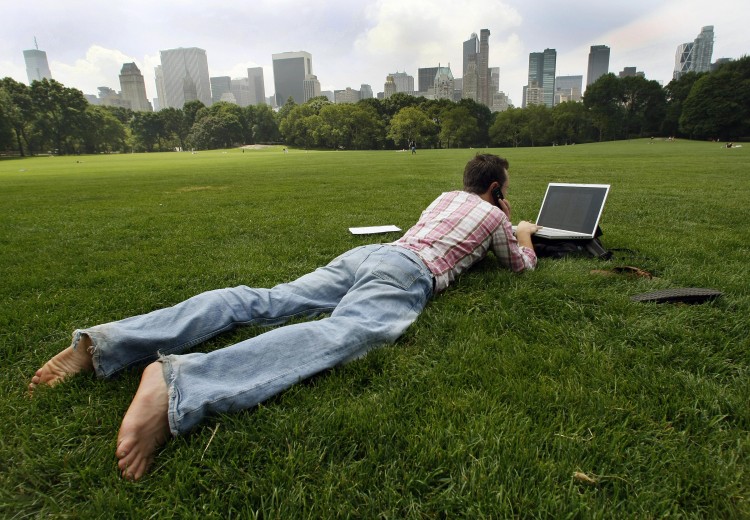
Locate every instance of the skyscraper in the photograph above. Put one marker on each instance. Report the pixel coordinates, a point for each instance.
(471, 49)
(242, 92)
(161, 94)
(404, 82)
(695, 56)
(389, 88)
(542, 67)
(703, 48)
(365, 90)
(220, 85)
(470, 83)
(426, 79)
(133, 88)
(483, 68)
(683, 60)
(568, 88)
(494, 81)
(37, 67)
(477, 81)
(630, 72)
(185, 77)
(598, 63)
(289, 72)
(311, 87)
(257, 85)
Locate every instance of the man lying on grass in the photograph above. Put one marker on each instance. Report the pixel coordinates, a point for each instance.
(373, 293)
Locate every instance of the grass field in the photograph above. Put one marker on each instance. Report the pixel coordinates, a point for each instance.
(505, 389)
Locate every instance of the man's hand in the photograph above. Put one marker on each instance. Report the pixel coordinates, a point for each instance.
(524, 230)
(505, 206)
(527, 227)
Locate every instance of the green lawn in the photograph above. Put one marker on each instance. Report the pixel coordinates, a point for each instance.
(505, 387)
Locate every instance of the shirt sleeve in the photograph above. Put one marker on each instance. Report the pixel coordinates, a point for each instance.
(507, 250)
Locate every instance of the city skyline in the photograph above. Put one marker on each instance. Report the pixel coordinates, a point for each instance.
(355, 45)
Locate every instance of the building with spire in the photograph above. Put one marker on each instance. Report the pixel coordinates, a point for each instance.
(37, 67)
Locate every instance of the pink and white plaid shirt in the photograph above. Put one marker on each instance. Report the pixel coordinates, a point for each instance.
(457, 230)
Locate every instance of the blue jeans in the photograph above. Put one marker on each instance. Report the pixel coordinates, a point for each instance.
(373, 293)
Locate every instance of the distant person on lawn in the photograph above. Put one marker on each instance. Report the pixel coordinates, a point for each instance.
(372, 293)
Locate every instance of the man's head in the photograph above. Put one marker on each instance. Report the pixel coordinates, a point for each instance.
(484, 170)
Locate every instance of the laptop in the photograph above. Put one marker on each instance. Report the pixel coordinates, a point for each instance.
(571, 211)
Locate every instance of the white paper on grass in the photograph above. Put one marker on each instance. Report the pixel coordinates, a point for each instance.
(371, 230)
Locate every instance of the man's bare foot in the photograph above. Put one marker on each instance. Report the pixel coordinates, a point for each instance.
(66, 363)
(145, 426)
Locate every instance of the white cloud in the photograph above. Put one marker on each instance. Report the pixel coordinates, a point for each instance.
(9, 69)
(424, 33)
(101, 67)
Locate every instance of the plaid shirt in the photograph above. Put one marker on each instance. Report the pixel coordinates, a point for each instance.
(457, 230)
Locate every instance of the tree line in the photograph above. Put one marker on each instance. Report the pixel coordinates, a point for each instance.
(48, 117)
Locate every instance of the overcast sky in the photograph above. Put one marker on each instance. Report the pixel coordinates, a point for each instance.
(358, 42)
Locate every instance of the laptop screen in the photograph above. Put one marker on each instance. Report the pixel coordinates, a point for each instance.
(573, 207)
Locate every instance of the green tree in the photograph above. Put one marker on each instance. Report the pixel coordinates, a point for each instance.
(398, 101)
(458, 127)
(677, 91)
(718, 105)
(265, 128)
(366, 128)
(122, 114)
(411, 124)
(233, 123)
(483, 117)
(60, 114)
(538, 127)
(604, 101)
(508, 127)
(297, 130)
(217, 130)
(434, 108)
(645, 106)
(190, 111)
(336, 125)
(175, 126)
(284, 111)
(570, 123)
(17, 112)
(103, 132)
(147, 128)
(6, 127)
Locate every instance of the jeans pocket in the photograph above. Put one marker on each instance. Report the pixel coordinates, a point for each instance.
(401, 273)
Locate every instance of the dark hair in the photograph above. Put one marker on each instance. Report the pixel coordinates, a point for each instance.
(483, 170)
